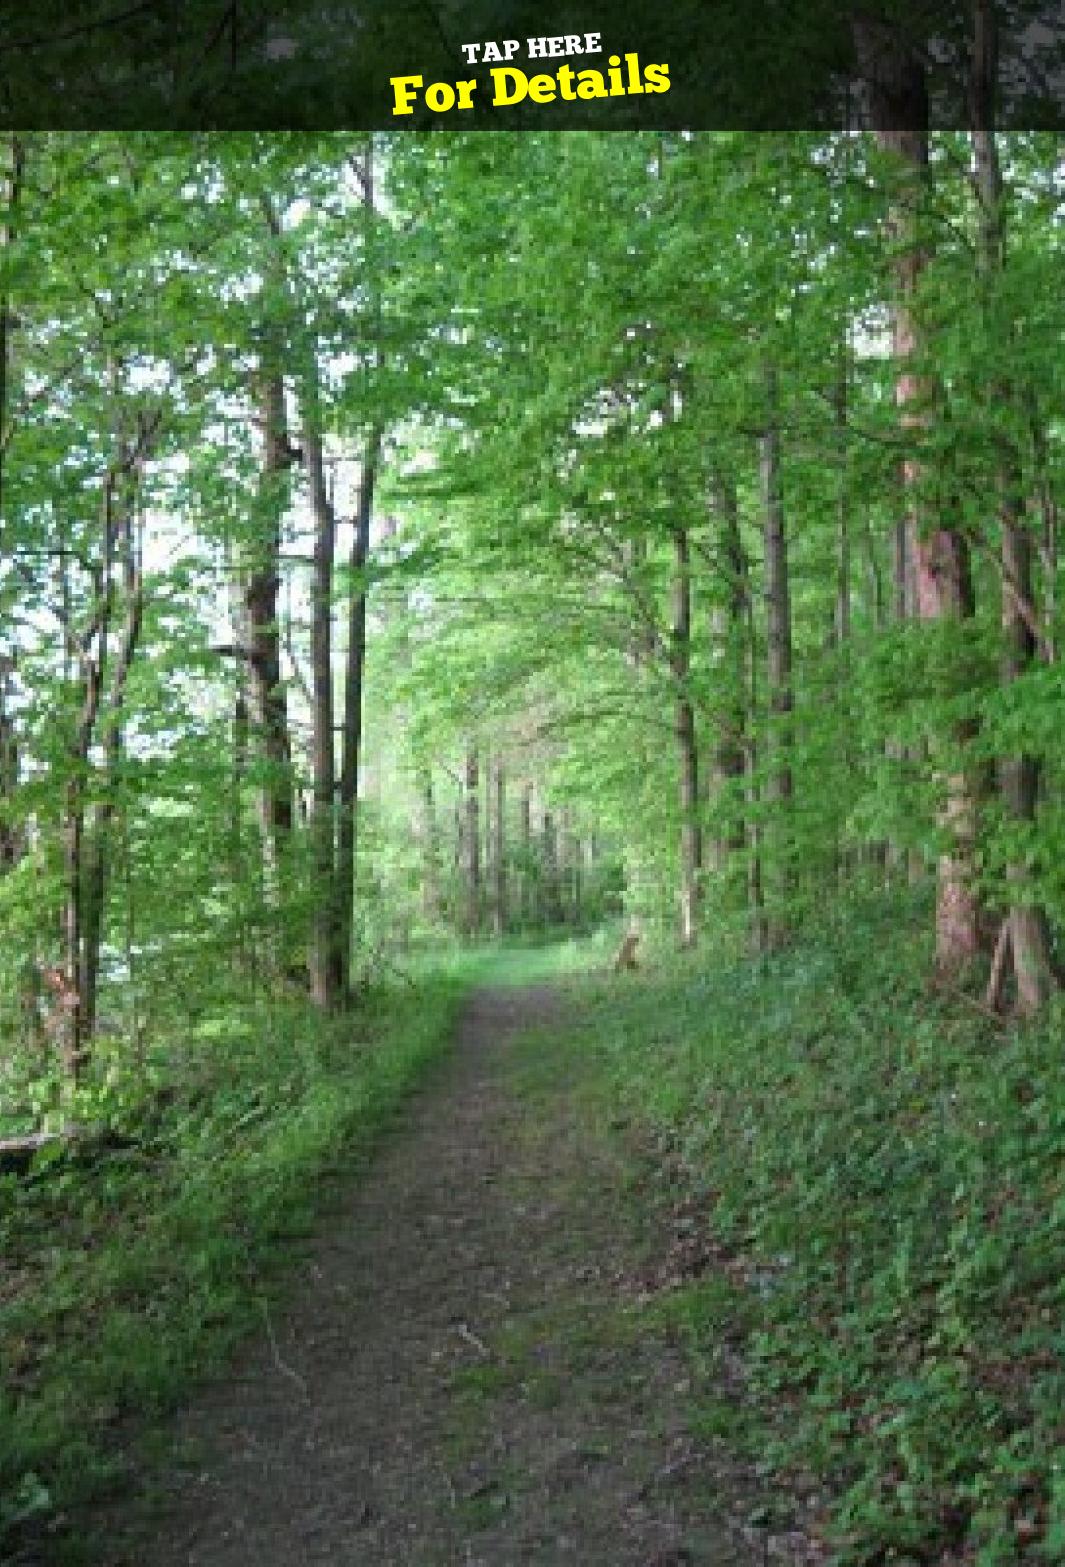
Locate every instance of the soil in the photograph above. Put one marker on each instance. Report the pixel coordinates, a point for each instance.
(459, 1375)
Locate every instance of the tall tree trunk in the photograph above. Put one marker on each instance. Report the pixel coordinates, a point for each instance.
(355, 662)
(779, 657)
(238, 774)
(11, 181)
(267, 701)
(893, 854)
(1028, 935)
(577, 890)
(528, 877)
(353, 693)
(457, 902)
(325, 957)
(1044, 506)
(758, 926)
(939, 550)
(11, 838)
(10, 195)
(430, 836)
(487, 770)
(551, 904)
(841, 617)
(97, 869)
(499, 863)
(103, 680)
(684, 727)
(472, 835)
(729, 634)
(842, 611)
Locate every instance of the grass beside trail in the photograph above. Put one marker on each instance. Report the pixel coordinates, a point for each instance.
(124, 1280)
(879, 1169)
(885, 1171)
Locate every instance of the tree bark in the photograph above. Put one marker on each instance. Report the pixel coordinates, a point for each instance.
(690, 851)
(11, 182)
(353, 694)
(528, 878)
(103, 681)
(499, 863)
(841, 617)
(472, 836)
(729, 633)
(551, 900)
(779, 658)
(267, 701)
(430, 836)
(11, 189)
(325, 957)
(99, 868)
(842, 611)
(938, 548)
(239, 736)
(758, 925)
(1029, 936)
(11, 837)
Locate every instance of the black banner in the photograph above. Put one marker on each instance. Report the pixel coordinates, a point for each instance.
(510, 64)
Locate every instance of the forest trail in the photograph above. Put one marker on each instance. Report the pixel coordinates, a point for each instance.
(449, 1383)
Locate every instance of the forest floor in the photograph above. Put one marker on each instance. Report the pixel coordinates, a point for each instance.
(471, 1367)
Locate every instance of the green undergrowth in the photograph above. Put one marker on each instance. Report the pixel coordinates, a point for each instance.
(518, 961)
(884, 1168)
(127, 1276)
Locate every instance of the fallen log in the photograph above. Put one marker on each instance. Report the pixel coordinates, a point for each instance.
(18, 1153)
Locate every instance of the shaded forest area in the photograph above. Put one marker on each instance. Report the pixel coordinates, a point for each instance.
(408, 540)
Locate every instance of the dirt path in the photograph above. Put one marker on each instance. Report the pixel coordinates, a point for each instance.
(450, 1384)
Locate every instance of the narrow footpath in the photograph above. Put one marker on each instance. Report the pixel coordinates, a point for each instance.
(452, 1381)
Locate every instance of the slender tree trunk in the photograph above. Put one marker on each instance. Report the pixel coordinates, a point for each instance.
(262, 582)
(893, 853)
(577, 862)
(841, 619)
(528, 877)
(103, 681)
(487, 773)
(457, 902)
(499, 863)
(472, 836)
(1028, 934)
(684, 727)
(551, 904)
(842, 612)
(355, 661)
(10, 834)
(97, 871)
(565, 867)
(236, 824)
(11, 181)
(1044, 507)
(430, 845)
(758, 925)
(325, 957)
(730, 632)
(10, 195)
(779, 656)
(353, 692)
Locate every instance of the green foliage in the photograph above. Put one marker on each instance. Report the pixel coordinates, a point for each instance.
(130, 1273)
(883, 1170)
